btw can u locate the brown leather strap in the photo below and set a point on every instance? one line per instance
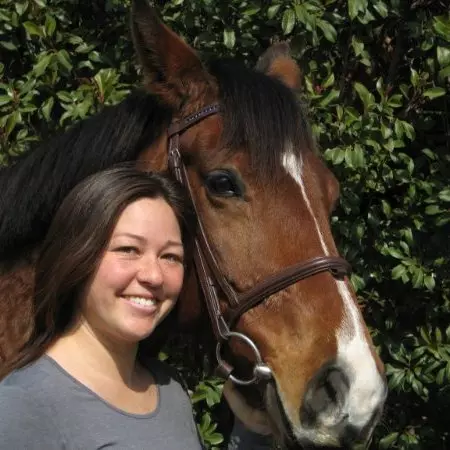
(184, 124)
(204, 264)
(337, 266)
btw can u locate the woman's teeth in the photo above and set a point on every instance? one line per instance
(142, 301)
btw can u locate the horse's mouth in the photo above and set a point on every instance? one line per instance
(284, 429)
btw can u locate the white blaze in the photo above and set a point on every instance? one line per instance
(354, 354)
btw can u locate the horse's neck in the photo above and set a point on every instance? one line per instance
(16, 306)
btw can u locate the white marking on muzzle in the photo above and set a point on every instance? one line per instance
(354, 354)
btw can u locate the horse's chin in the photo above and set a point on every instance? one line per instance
(259, 421)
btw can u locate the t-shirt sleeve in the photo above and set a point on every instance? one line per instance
(24, 424)
(243, 439)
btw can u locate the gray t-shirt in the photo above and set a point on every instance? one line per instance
(43, 407)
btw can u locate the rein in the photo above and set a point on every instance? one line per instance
(211, 278)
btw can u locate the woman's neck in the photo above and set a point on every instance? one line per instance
(85, 351)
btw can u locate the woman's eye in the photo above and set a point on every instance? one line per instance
(128, 249)
(172, 257)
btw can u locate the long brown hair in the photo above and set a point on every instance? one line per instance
(76, 240)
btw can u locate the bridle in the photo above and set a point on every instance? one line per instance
(211, 278)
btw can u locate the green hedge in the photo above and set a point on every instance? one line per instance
(376, 77)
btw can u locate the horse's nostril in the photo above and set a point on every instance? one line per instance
(325, 397)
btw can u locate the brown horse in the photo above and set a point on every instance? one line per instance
(264, 199)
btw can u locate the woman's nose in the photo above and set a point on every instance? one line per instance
(150, 272)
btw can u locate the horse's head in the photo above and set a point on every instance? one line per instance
(264, 199)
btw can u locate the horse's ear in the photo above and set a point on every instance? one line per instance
(169, 64)
(278, 63)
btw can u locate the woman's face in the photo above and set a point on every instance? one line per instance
(139, 276)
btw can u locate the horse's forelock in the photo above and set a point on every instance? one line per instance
(262, 116)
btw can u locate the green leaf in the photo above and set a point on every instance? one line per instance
(443, 56)
(8, 45)
(40, 67)
(47, 107)
(329, 81)
(386, 208)
(444, 73)
(395, 253)
(95, 56)
(5, 99)
(417, 278)
(12, 121)
(272, 11)
(430, 154)
(398, 271)
(434, 92)
(409, 130)
(381, 8)
(21, 7)
(388, 440)
(432, 210)
(408, 236)
(288, 21)
(395, 101)
(215, 439)
(328, 30)
(335, 155)
(32, 28)
(64, 59)
(358, 46)
(366, 97)
(358, 156)
(50, 25)
(303, 15)
(444, 195)
(441, 25)
(353, 8)
(229, 38)
(64, 96)
(414, 78)
(329, 98)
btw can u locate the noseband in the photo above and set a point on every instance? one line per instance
(211, 278)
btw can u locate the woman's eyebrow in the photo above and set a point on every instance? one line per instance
(169, 243)
(130, 235)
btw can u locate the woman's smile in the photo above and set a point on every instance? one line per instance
(146, 304)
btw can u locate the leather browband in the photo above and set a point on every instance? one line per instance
(183, 124)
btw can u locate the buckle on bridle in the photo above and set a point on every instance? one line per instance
(261, 371)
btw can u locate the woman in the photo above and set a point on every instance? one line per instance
(110, 270)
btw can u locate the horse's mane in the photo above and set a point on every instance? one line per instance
(35, 184)
(261, 116)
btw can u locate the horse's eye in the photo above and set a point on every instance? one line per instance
(223, 183)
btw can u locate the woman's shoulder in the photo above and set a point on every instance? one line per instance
(26, 421)
(37, 383)
(26, 377)
(17, 403)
